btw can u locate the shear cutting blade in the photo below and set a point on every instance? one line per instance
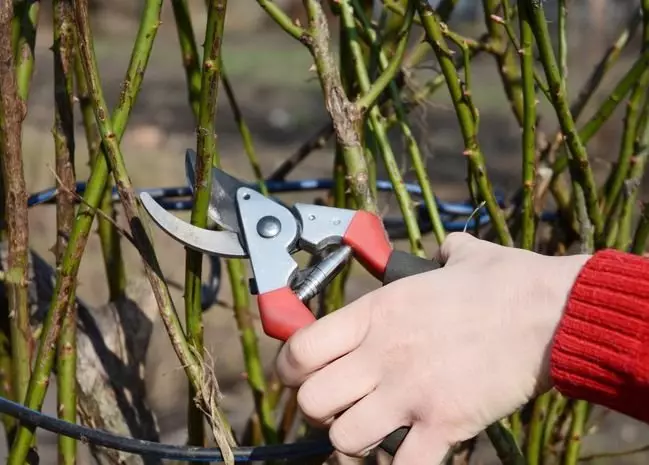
(222, 243)
(222, 208)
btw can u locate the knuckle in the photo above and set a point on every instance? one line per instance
(455, 239)
(341, 435)
(456, 244)
(299, 352)
(307, 399)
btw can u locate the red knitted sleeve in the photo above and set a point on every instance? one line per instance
(600, 352)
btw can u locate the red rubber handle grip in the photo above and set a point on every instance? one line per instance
(367, 238)
(282, 313)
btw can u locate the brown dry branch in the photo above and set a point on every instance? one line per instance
(12, 113)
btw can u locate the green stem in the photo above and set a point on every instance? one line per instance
(206, 154)
(15, 208)
(605, 110)
(627, 145)
(557, 404)
(411, 143)
(466, 114)
(562, 49)
(371, 92)
(19, 8)
(25, 48)
(506, 61)
(633, 182)
(64, 148)
(605, 65)
(420, 169)
(631, 126)
(579, 417)
(189, 51)
(608, 106)
(246, 137)
(642, 232)
(505, 444)
(579, 166)
(6, 389)
(528, 219)
(64, 290)
(254, 367)
(263, 401)
(110, 239)
(109, 236)
(282, 19)
(536, 428)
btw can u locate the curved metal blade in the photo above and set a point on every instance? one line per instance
(223, 208)
(222, 243)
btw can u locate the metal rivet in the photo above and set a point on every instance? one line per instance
(312, 217)
(246, 196)
(268, 227)
(336, 221)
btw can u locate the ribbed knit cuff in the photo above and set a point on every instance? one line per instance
(600, 351)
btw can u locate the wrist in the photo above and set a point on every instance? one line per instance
(562, 274)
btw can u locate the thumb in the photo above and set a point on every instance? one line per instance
(454, 243)
(423, 445)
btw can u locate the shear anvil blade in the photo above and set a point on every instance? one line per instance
(221, 243)
(222, 207)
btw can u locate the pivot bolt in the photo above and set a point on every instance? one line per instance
(269, 227)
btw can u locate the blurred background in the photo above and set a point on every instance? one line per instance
(281, 101)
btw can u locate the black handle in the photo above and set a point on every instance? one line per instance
(401, 265)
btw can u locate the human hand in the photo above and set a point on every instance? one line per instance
(446, 352)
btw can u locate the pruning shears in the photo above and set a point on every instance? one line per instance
(268, 232)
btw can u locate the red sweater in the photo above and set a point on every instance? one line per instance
(600, 352)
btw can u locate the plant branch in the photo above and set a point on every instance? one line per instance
(206, 153)
(24, 53)
(505, 59)
(528, 217)
(371, 94)
(64, 148)
(579, 164)
(345, 115)
(282, 19)
(244, 131)
(466, 114)
(202, 381)
(15, 208)
(605, 64)
(109, 233)
(411, 143)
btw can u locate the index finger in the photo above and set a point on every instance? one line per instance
(323, 341)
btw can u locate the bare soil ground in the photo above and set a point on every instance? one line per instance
(281, 101)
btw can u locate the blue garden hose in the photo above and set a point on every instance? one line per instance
(167, 197)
